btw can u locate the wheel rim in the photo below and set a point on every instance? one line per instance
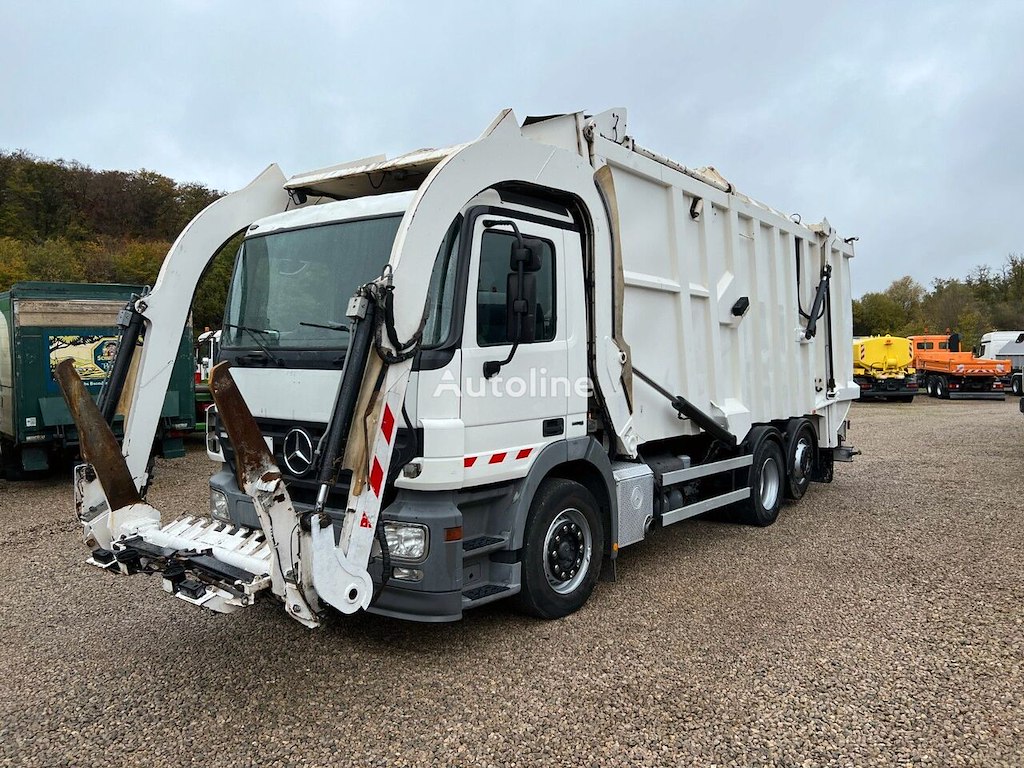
(801, 458)
(769, 483)
(568, 549)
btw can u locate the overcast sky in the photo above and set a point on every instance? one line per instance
(901, 122)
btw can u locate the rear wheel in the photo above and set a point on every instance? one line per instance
(931, 386)
(767, 481)
(801, 448)
(941, 388)
(1016, 385)
(562, 549)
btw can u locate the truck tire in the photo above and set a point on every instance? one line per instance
(801, 448)
(1016, 385)
(941, 388)
(930, 383)
(562, 549)
(767, 481)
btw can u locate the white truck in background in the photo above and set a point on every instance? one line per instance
(479, 372)
(1006, 345)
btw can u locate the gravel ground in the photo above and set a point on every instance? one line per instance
(878, 622)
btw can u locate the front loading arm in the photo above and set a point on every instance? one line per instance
(165, 309)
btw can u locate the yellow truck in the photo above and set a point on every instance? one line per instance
(883, 368)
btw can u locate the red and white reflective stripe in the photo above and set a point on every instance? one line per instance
(499, 457)
(382, 451)
(353, 549)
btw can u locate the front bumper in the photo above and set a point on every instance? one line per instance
(435, 597)
(885, 392)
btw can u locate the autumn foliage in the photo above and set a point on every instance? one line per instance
(62, 221)
(986, 300)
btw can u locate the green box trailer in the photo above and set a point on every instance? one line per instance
(41, 324)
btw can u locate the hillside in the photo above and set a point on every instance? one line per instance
(61, 220)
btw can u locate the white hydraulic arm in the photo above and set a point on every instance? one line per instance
(340, 569)
(165, 310)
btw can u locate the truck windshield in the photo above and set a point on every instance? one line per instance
(285, 279)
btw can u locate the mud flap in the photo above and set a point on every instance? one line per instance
(824, 468)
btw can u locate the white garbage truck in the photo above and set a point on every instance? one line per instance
(1006, 345)
(479, 372)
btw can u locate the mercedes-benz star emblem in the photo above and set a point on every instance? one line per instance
(298, 452)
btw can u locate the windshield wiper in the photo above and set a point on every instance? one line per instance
(328, 327)
(255, 333)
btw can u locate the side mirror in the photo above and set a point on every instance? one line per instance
(520, 294)
(527, 254)
(521, 308)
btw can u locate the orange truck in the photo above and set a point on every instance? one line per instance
(957, 375)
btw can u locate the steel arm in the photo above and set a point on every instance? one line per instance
(500, 155)
(165, 310)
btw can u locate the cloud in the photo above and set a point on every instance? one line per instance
(899, 121)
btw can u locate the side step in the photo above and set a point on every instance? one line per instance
(499, 581)
(481, 545)
(486, 593)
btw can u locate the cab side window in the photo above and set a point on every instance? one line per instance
(492, 287)
(441, 291)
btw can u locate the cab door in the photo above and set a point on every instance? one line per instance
(536, 397)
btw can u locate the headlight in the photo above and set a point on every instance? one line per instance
(406, 541)
(219, 506)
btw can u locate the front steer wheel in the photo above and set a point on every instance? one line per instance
(562, 549)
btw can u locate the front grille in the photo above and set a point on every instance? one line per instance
(303, 489)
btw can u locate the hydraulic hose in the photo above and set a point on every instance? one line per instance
(361, 339)
(130, 322)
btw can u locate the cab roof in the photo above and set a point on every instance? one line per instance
(329, 212)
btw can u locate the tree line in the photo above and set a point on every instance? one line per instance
(987, 299)
(63, 221)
